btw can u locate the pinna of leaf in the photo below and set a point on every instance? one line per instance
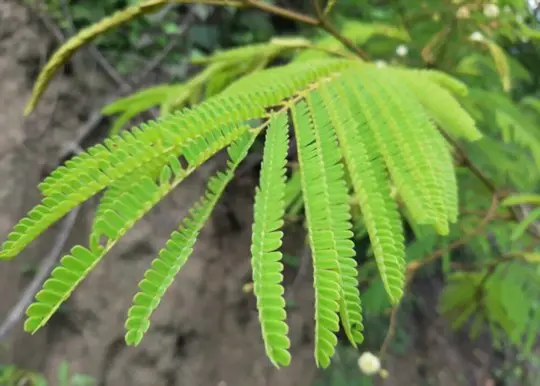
(349, 118)
(339, 111)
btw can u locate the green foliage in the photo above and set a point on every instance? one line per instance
(266, 239)
(381, 147)
(146, 37)
(196, 135)
(504, 297)
(13, 376)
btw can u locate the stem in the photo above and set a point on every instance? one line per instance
(466, 161)
(321, 21)
(390, 332)
(283, 12)
(482, 177)
(413, 266)
(325, 24)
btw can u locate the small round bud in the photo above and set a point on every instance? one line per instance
(402, 50)
(463, 12)
(476, 36)
(369, 364)
(247, 288)
(491, 10)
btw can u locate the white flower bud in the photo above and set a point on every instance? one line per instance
(380, 63)
(247, 288)
(463, 12)
(476, 36)
(491, 10)
(402, 50)
(369, 364)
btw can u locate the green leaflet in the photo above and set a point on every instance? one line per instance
(404, 136)
(74, 267)
(326, 126)
(517, 199)
(446, 81)
(440, 104)
(115, 191)
(501, 63)
(266, 240)
(321, 238)
(180, 246)
(114, 221)
(371, 187)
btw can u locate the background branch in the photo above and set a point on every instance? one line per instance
(414, 266)
(101, 60)
(46, 267)
(325, 24)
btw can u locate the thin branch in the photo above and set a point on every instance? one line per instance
(92, 123)
(47, 265)
(485, 180)
(94, 51)
(325, 24)
(49, 24)
(413, 266)
(391, 331)
(466, 161)
(283, 12)
(183, 29)
(478, 212)
(158, 59)
(329, 6)
(321, 21)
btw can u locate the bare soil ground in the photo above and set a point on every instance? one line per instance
(206, 330)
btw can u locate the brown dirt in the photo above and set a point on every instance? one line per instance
(206, 330)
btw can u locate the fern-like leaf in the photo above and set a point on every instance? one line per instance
(128, 208)
(448, 82)
(101, 166)
(266, 240)
(501, 63)
(440, 104)
(179, 247)
(86, 35)
(339, 216)
(370, 184)
(403, 134)
(318, 209)
(77, 265)
(115, 191)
